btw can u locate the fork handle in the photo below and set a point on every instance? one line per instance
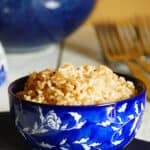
(137, 72)
(145, 64)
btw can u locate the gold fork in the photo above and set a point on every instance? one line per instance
(115, 51)
(130, 39)
(143, 26)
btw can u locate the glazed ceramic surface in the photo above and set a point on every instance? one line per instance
(108, 126)
(3, 64)
(39, 22)
(2, 74)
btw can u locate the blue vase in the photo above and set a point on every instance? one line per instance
(40, 22)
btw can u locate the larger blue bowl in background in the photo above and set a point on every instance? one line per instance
(39, 22)
(108, 126)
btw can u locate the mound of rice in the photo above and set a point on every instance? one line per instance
(71, 85)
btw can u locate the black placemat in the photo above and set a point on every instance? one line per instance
(11, 140)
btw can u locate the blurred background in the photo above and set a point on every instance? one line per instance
(107, 11)
(117, 10)
(117, 33)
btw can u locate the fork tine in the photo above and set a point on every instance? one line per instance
(114, 42)
(109, 39)
(128, 39)
(133, 33)
(139, 46)
(125, 39)
(148, 39)
(144, 32)
(104, 43)
(144, 38)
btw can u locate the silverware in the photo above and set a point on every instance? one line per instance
(130, 39)
(116, 44)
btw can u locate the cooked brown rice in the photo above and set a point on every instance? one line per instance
(71, 85)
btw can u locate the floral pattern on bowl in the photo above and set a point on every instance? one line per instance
(101, 127)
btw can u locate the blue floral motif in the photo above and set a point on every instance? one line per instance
(109, 126)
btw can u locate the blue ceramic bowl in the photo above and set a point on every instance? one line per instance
(108, 126)
(39, 22)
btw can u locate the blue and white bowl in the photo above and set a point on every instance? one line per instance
(94, 127)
